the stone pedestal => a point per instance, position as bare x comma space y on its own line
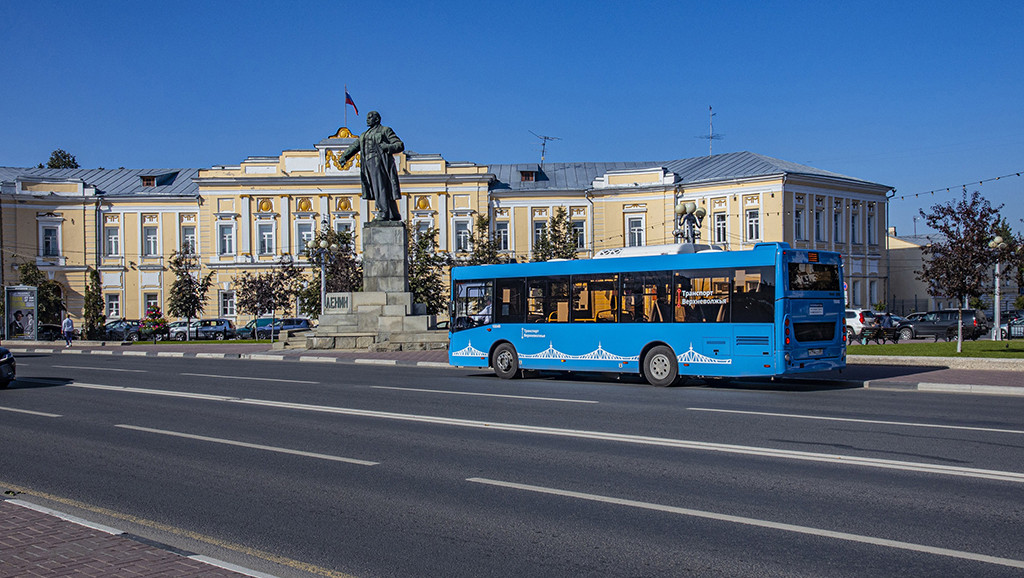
381, 315
386, 257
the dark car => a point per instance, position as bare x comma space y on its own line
280, 325
8, 367
124, 330
943, 325
52, 332
216, 329
249, 330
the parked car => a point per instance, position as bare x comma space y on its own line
8, 367
943, 325
249, 330
52, 332
856, 319
123, 329
176, 330
280, 325
1012, 329
218, 329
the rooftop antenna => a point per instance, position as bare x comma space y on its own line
711, 137
544, 144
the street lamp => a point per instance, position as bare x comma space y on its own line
690, 217
324, 251
997, 244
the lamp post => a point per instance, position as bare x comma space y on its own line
689, 219
324, 252
998, 245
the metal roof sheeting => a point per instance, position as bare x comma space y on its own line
116, 182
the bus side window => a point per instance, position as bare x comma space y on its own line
511, 295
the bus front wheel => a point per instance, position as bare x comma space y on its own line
660, 366
505, 361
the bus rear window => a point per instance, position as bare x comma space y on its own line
813, 277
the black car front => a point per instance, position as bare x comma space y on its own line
8, 367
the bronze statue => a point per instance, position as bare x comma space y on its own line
377, 171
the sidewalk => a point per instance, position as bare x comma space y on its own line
37, 541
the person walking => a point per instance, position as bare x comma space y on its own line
68, 328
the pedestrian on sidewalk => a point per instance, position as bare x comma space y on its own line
68, 327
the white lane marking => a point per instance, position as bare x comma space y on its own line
483, 394
249, 378
247, 445
101, 368
759, 523
855, 420
997, 475
30, 412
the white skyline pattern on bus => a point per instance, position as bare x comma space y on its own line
599, 354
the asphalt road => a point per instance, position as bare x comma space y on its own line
302, 469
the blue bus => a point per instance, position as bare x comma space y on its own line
687, 310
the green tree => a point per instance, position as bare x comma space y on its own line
188, 292
61, 159
426, 272
959, 265
485, 247
343, 272
93, 309
49, 300
558, 241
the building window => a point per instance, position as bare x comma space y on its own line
501, 235
855, 286
51, 242
579, 233
635, 231
422, 226
152, 301
188, 239
303, 235
527, 176
113, 306
539, 230
819, 226
265, 234
854, 228
462, 236
872, 292
149, 181
721, 228
149, 242
798, 224
226, 237
227, 303
753, 224
343, 226
112, 244
872, 235
837, 226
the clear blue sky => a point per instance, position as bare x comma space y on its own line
915, 95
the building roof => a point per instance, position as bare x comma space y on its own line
115, 182
579, 176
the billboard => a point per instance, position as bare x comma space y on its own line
21, 312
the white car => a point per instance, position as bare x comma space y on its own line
856, 319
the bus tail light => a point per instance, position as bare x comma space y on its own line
786, 324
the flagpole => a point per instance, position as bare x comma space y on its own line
345, 106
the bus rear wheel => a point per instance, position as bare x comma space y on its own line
661, 368
505, 361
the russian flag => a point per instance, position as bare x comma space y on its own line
348, 100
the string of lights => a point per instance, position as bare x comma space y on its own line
961, 187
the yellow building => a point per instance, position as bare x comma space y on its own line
126, 222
